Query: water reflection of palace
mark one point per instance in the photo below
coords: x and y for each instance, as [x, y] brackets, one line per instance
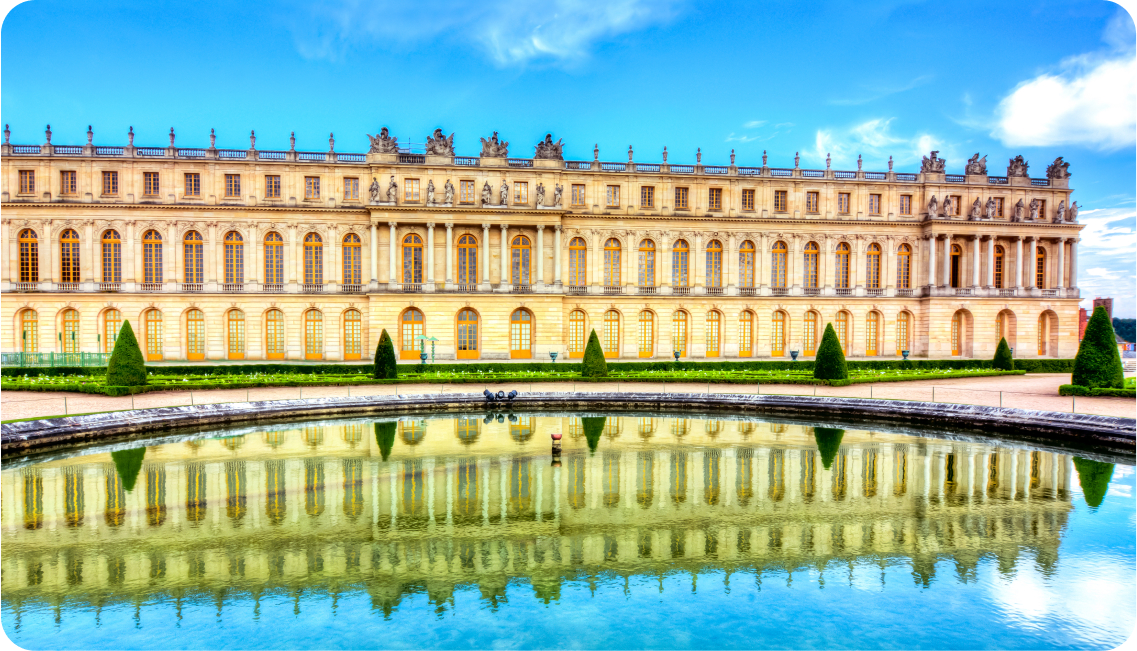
[461, 501]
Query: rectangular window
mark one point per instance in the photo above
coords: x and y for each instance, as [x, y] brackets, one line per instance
[311, 187]
[812, 201]
[410, 190]
[874, 204]
[110, 183]
[780, 201]
[272, 186]
[647, 196]
[956, 204]
[681, 199]
[193, 184]
[68, 183]
[150, 184]
[520, 192]
[578, 194]
[714, 199]
[27, 181]
[905, 204]
[613, 196]
[351, 189]
[843, 203]
[748, 200]
[466, 192]
[1041, 212]
[232, 185]
[998, 206]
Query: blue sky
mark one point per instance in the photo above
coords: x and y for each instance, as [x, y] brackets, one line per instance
[1041, 79]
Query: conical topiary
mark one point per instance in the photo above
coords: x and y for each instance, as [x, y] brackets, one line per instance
[1098, 364]
[828, 443]
[126, 367]
[385, 437]
[830, 361]
[593, 364]
[1094, 477]
[593, 427]
[128, 463]
[1003, 360]
[385, 367]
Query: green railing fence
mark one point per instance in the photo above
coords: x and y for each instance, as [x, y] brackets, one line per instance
[28, 360]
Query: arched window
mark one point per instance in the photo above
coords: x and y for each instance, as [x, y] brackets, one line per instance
[577, 253]
[714, 333]
[956, 264]
[872, 267]
[679, 332]
[904, 267]
[352, 335]
[112, 325]
[352, 260]
[957, 334]
[71, 330]
[153, 321]
[274, 334]
[810, 270]
[778, 265]
[29, 331]
[679, 259]
[151, 259]
[809, 333]
[612, 262]
[467, 260]
[903, 329]
[410, 331]
[193, 258]
[746, 334]
[467, 334]
[236, 332]
[313, 260]
[112, 257]
[69, 256]
[195, 335]
[844, 325]
[1043, 332]
[872, 334]
[647, 333]
[29, 256]
[647, 264]
[519, 268]
[1000, 258]
[779, 332]
[714, 263]
[521, 334]
[576, 333]
[842, 268]
[234, 258]
[1039, 268]
[746, 264]
[274, 259]
[611, 340]
[313, 334]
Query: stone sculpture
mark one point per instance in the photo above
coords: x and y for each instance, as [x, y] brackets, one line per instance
[547, 149]
[990, 207]
[558, 190]
[487, 194]
[1072, 212]
[976, 211]
[1020, 212]
[374, 190]
[540, 194]
[448, 193]
[933, 165]
[504, 194]
[494, 148]
[933, 207]
[383, 143]
[1017, 167]
[392, 190]
[828, 161]
[1034, 208]
[440, 145]
[1059, 169]
[947, 207]
[430, 192]
[976, 165]
[1060, 215]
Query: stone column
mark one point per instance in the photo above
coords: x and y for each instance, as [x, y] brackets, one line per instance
[253, 253]
[504, 278]
[991, 261]
[1061, 266]
[88, 269]
[727, 251]
[931, 261]
[449, 253]
[666, 256]
[430, 253]
[393, 246]
[888, 264]
[557, 256]
[46, 268]
[761, 253]
[698, 262]
[1073, 264]
[597, 260]
[539, 268]
[1019, 262]
[485, 254]
[975, 264]
[170, 274]
[374, 245]
[212, 258]
[947, 261]
[1030, 261]
[294, 266]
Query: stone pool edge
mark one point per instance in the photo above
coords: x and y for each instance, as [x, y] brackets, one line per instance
[1112, 432]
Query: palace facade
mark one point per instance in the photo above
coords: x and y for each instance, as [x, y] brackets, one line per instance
[250, 254]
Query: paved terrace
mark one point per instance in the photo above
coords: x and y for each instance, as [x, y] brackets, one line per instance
[1033, 391]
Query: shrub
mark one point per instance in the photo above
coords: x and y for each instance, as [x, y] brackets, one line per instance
[1075, 390]
[385, 367]
[126, 367]
[593, 364]
[1094, 477]
[128, 463]
[593, 427]
[828, 443]
[830, 361]
[1003, 360]
[1098, 364]
[385, 437]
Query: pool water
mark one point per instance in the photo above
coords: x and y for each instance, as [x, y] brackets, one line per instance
[652, 531]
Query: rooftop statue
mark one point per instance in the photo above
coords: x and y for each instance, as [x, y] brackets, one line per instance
[440, 145]
[1059, 169]
[1035, 206]
[550, 150]
[494, 148]
[933, 164]
[383, 143]
[1020, 212]
[976, 165]
[1060, 214]
[976, 211]
[1072, 213]
[1017, 167]
[990, 207]
[933, 207]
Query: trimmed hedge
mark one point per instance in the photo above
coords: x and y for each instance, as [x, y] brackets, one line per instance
[830, 361]
[1107, 392]
[126, 367]
[1098, 364]
[593, 364]
[1003, 359]
[385, 365]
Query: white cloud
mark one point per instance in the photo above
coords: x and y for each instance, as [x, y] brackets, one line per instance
[875, 141]
[753, 124]
[1109, 243]
[1102, 272]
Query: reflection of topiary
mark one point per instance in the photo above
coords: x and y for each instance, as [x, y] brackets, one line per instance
[126, 368]
[593, 364]
[385, 437]
[593, 427]
[1094, 477]
[128, 463]
[828, 443]
[830, 361]
[1003, 360]
[385, 367]
[1098, 364]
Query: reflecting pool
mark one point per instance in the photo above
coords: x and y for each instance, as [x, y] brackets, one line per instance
[645, 531]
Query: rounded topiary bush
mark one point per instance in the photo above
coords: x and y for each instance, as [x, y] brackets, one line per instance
[1098, 364]
[385, 366]
[830, 361]
[593, 364]
[1003, 360]
[126, 367]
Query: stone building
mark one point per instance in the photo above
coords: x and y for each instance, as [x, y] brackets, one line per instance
[250, 254]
